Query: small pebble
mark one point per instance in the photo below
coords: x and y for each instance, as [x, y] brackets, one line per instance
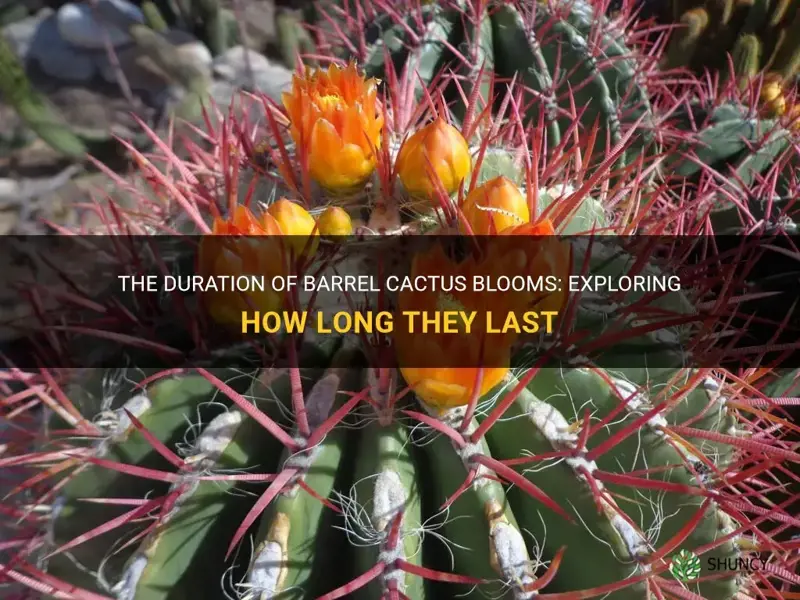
[85, 26]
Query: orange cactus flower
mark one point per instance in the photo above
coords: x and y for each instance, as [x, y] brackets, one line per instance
[295, 221]
[234, 256]
[335, 221]
[444, 387]
[549, 256]
[336, 120]
[495, 206]
[440, 146]
[425, 358]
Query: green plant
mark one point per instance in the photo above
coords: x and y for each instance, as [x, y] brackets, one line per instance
[575, 480]
[745, 163]
[33, 108]
[47, 123]
[757, 37]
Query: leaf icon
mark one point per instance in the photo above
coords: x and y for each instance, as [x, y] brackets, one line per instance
[685, 566]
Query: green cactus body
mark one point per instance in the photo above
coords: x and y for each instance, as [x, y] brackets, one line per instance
[416, 501]
[740, 149]
[163, 411]
[386, 488]
[486, 531]
[37, 113]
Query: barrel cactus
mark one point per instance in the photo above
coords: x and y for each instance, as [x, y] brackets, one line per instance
[324, 475]
[591, 69]
[746, 121]
[581, 66]
[755, 36]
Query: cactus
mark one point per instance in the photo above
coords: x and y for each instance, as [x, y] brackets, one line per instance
[327, 476]
[547, 46]
[748, 161]
[33, 108]
[566, 52]
[78, 143]
[758, 36]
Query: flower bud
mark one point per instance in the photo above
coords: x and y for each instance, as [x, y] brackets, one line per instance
[223, 252]
[296, 222]
[336, 121]
[495, 206]
[334, 221]
[436, 150]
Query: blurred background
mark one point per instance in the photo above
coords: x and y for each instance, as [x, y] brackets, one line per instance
[75, 74]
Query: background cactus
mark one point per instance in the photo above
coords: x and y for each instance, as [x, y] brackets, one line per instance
[581, 481]
[745, 136]
[758, 36]
[41, 116]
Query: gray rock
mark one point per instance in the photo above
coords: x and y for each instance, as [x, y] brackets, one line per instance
[259, 23]
[268, 77]
[86, 27]
[20, 34]
[144, 75]
[58, 58]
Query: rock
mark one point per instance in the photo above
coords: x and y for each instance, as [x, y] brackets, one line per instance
[8, 221]
[86, 27]
[20, 35]
[144, 75]
[268, 77]
[58, 58]
[259, 24]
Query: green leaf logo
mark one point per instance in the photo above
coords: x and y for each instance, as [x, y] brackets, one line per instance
[685, 566]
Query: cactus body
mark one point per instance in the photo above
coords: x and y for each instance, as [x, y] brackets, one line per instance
[490, 532]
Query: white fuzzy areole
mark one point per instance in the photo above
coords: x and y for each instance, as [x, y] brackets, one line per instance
[126, 588]
[711, 385]
[137, 406]
[636, 544]
[389, 498]
[551, 423]
[266, 571]
[512, 556]
[218, 434]
[320, 400]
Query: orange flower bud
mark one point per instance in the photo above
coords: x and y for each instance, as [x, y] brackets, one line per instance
[550, 256]
[495, 206]
[336, 120]
[420, 354]
[773, 96]
[335, 221]
[295, 221]
[439, 146]
[449, 388]
[445, 387]
[224, 253]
